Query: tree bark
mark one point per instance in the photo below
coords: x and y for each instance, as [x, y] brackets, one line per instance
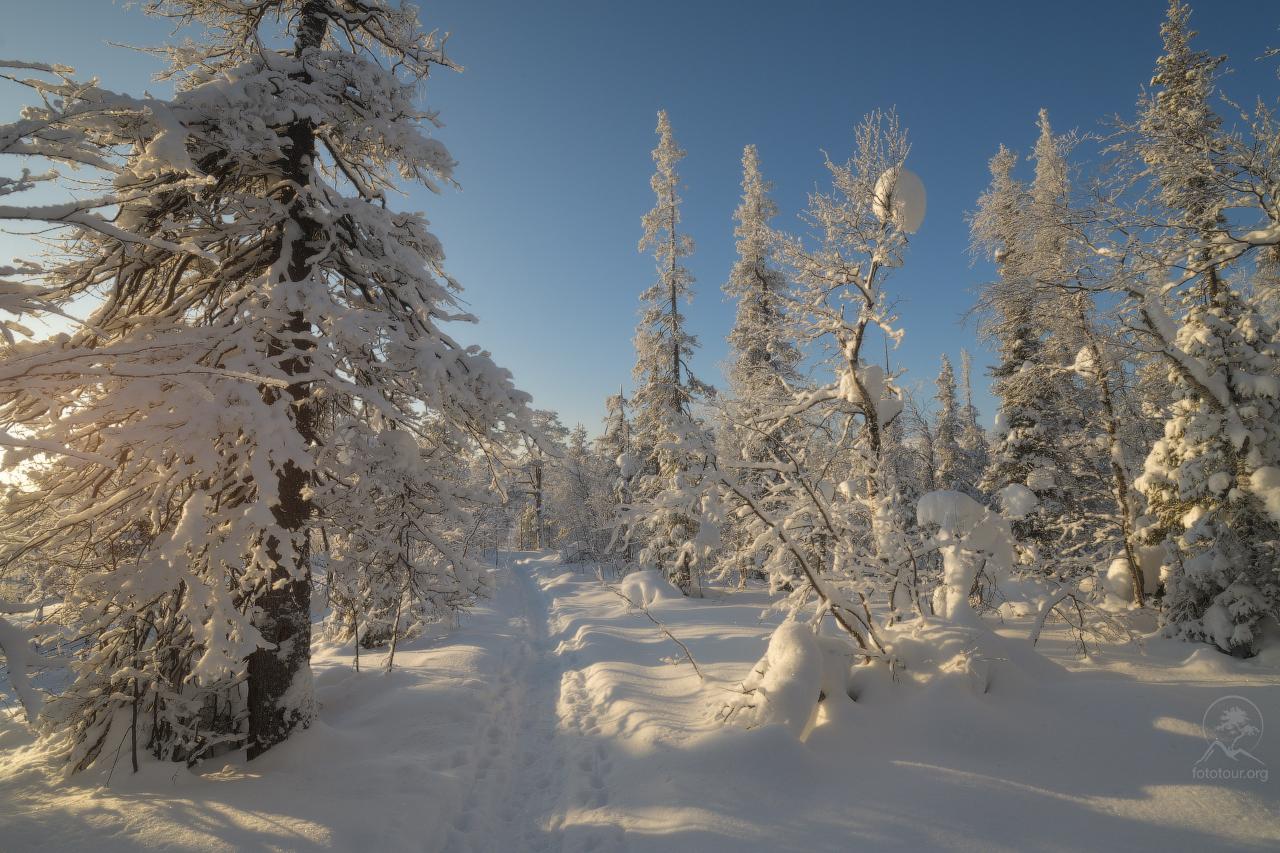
[284, 606]
[538, 542]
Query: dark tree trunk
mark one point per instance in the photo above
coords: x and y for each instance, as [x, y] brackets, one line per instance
[284, 606]
[538, 537]
[284, 615]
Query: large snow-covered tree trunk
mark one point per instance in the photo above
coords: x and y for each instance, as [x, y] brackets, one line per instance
[279, 689]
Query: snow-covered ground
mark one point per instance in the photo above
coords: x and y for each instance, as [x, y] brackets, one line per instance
[557, 717]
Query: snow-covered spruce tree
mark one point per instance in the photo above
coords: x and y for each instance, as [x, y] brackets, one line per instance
[1169, 148]
[1059, 264]
[1088, 421]
[278, 315]
[949, 455]
[1028, 449]
[1177, 130]
[666, 386]
[615, 436]
[762, 368]
[1049, 438]
[131, 498]
[972, 438]
[763, 358]
[616, 446]
[615, 443]
[1042, 307]
[1211, 483]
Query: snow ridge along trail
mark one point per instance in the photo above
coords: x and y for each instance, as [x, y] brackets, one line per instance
[609, 742]
[533, 764]
[556, 719]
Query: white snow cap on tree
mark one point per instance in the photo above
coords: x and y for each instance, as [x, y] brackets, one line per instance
[965, 530]
[900, 196]
[1016, 500]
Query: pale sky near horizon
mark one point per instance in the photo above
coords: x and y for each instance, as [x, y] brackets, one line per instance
[552, 122]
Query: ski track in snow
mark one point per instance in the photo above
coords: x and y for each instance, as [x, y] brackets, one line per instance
[534, 762]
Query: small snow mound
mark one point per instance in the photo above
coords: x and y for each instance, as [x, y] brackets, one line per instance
[1116, 582]
[942, 656]
[899, 194]
[1208, 663]
[647, 587]
[783, 688]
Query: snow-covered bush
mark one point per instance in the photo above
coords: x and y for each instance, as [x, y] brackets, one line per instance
[784, 687]
[971, 539]
[646, 587]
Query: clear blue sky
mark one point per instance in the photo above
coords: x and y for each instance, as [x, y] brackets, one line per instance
[552, 122]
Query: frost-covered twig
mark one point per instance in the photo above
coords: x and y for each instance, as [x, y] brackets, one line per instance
[666, 632]
[1083, 619]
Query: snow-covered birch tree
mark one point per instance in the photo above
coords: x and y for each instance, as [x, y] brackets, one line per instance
[828, 523]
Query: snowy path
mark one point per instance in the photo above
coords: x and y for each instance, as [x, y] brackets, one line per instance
[556, 719]
[467, 746]
[533, 763]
